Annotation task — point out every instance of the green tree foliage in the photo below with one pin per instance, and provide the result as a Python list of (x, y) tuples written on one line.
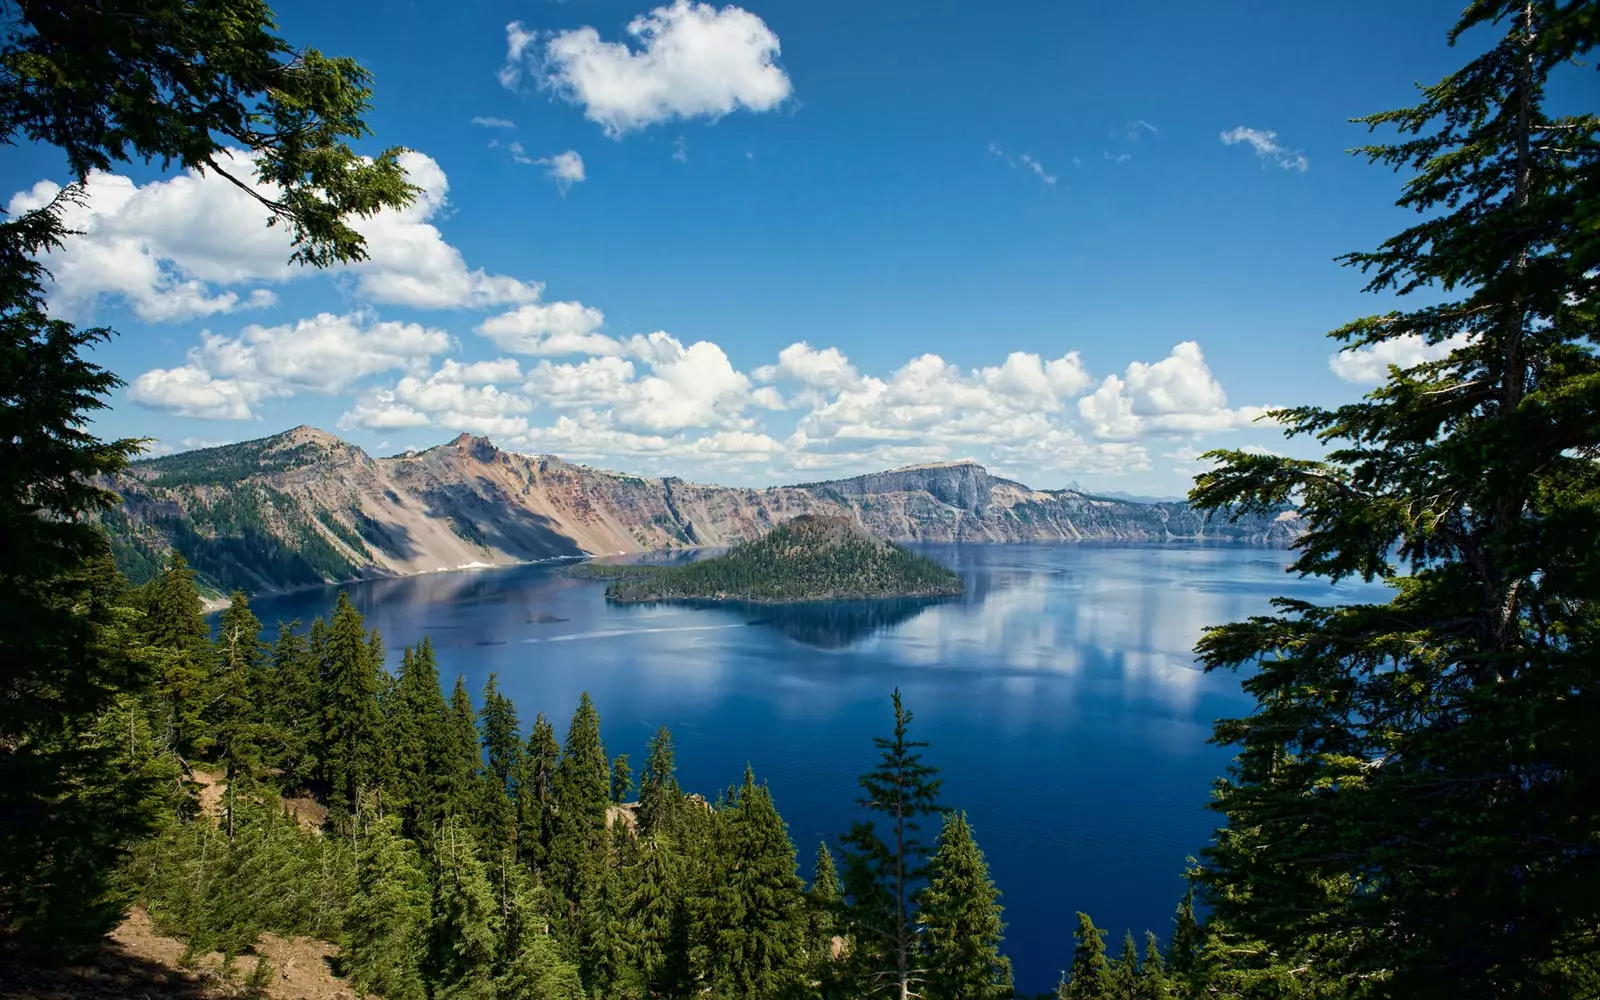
[(291, 710), (579, 844), (1188, 938), (350, 716), (421, 726), (537, 797), (882, 872), (1090, 977), (465, 917), (1153, 983), (233, 715), (656, 912), (960, 918), (539, 972), (621, 779), (809, 558), (660, 798), (1125, 971), (823, 900), (1412, 808), (179, 643), (501, 735), (750, 924), (460, 775), (387, 924)]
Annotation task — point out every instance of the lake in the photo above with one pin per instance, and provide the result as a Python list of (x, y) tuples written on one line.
[(1059, 694)]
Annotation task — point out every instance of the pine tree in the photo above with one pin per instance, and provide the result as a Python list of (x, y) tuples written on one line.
[(292, 730), (501, 735), (621, 779), (749, 929), (465, 917), (579, 845), (655, 912), (1412, 786), (536, 803), (1188, 938), (233, 714), (1125, 972), (386, 927), (1090, 977), (421, 726), (1153, 983), (660, 798), (960, 918), (459, 795), (822, 901), (881, 877), (539, 972), (350, 717), (179, 640)]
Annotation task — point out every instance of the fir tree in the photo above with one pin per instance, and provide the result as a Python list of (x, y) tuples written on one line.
[(501, 735), (823, 900), (539, 972), (179, 640), (421, 726), (1411, 789), (1188, 938), (1153, 983), (655, 912), (464, 758), (465, 917), (881, 876), (292, 730), (234, 719), (660, 798), (536, 803), (621, 779), (386, 926), (582, 784), (1090, 977), (350, 709), (1125, 972), (960, 918), (749, 934)]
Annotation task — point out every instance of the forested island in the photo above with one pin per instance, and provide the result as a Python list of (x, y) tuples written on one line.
[(810, 558)]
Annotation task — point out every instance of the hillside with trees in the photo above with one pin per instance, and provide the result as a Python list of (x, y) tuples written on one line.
[(810, 558), (1412, 809)]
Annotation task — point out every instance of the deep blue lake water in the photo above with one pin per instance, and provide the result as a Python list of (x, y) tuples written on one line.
[(1060, 697)]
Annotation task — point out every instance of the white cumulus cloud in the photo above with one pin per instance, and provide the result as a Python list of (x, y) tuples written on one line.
[(566, 169), (1267, 147), (1177, 394), (688, 60), (1370, 365)]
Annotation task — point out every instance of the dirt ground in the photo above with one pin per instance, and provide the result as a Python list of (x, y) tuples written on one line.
[(139, 964)]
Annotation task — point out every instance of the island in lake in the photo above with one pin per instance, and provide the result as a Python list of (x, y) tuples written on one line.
[(810, 558)]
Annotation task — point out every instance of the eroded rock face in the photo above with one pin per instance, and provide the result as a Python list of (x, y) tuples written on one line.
[(304, 507)]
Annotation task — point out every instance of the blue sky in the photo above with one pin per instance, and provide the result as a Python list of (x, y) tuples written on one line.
[(784, 241)]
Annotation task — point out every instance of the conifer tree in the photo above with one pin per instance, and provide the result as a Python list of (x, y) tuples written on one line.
[(1090, 977), (881, 876), (1153, 983), (386, 926), (501, 735), (1188, 938), (465, 917), (292, 732), (179, 640), (539, 972), (1125, 972), (606, 942), (1412, 787), (960, 918), (621, 779), (579, 845), (749, 934), (536, 803), (823, 900), (421, 725), (660, 798), (459, 795), (655, 912), (233, 714), (350, 718)]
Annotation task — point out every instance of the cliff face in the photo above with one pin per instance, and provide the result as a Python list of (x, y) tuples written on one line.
[(304, 507)]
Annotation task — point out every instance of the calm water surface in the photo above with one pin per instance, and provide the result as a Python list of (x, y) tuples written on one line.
[(1060, 696)]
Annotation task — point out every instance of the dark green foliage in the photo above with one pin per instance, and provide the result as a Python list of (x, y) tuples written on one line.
[(1153, 983), (501, 734), (1125, 972), (807, 559), (960, 918), (536, 801), (232, 711), (749, 925), (179, 642), (1188, 937), (882, 872), (1412, 808), (291, 711), (386, 927), (583, 789), (823, 900), (465, 917), (538, 972), (420, 728), (1090, 977), (460, 782), (656, 912), (660, 798), (350, 717), (621, 779)]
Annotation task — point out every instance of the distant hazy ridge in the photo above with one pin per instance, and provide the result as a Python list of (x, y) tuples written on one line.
[(304, 507)]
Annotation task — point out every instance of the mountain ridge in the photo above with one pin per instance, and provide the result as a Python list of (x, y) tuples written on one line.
[(305, 507)]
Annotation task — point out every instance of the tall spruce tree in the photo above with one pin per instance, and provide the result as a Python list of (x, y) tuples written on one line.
[(459, 794), (350, 717), (823, 899), (882, 876), (579, 845), (1125, 971), (536, 803), (386, 925), (1153, 983), (621, 779), (421, 733), (1090, 977), (656, 914), (179, 643), (292, 731), (1414, 791), (1188, 938), (960, 918), (233, 712), (660, 798), (465, 917), (501, 735)]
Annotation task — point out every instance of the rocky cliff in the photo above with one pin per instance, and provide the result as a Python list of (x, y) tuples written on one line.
[(304, 507)]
